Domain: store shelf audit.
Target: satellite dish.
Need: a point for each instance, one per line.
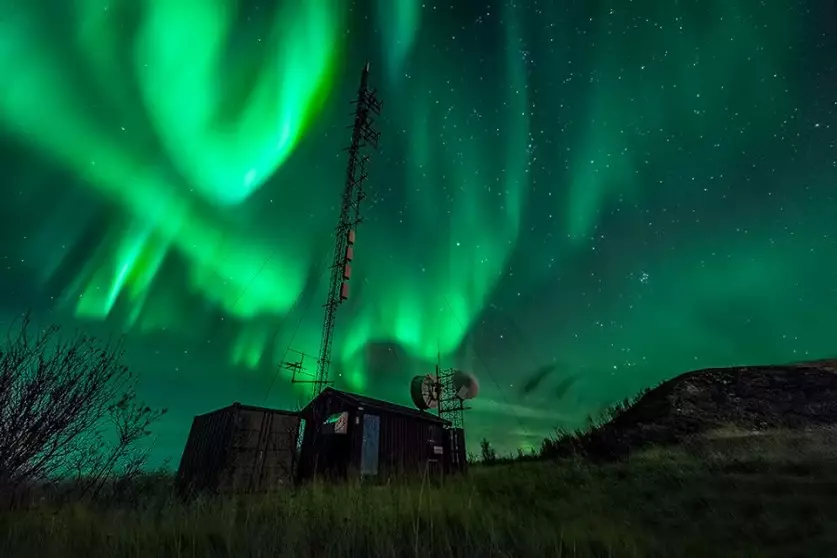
(424, 391)
(465, 385)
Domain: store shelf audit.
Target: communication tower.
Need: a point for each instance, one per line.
(364, 136)
(451, 406)
(446, 391)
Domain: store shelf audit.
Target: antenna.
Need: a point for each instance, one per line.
(297, 369)
(465, 386)
(363, 135)
(424, 391)
(446, 391)
(451, 406)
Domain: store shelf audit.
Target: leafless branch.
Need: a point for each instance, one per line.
(57, 397)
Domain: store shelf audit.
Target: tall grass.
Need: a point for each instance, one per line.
(769, 496)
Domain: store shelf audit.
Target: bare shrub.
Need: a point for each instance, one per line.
(69, 417)
(487, 452)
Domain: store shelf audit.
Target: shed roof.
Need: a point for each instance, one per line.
(239, 406)
(383, 406)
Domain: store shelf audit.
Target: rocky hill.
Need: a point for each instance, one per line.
(749, 398)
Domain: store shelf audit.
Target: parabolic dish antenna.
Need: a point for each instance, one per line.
(424, 391)
(465, 385)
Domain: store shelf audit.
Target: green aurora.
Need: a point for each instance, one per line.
(620, 191)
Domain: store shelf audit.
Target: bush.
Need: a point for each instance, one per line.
(595, 439)
(70, 421)
(488, 454)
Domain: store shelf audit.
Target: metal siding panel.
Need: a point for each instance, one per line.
(315, 458)
(405, 444)
(205, 459)
(385, 445)
(239, 449)
(224, 455)
(355, 434)
(186, 469)
(264, 451)
(279, 447)
(241, 462)
(305, 468)
(258, 482)
(203, 453)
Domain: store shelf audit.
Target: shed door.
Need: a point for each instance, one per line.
(369, 450)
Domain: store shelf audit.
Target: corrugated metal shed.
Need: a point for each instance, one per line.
(379, 439)
(239, 449)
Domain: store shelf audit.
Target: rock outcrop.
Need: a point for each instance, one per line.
(749, 398)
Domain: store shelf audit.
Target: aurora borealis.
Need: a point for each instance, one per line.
(611, 192)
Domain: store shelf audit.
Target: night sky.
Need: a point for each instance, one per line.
(571, 199)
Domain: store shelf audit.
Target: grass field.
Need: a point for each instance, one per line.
(734, 495)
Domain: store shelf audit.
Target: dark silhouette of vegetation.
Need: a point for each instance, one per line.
(487, 453)
(590, 440)
(490, 456)
(70, 421)
(735, 494)
(768, 497)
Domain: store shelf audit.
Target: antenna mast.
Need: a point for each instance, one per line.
(451, 406)
(363, 135)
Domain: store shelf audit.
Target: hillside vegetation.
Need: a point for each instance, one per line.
(750, 399)
(723, 462)
(766, 495)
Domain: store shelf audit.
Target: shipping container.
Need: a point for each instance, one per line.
(239, 449)
(348, 435)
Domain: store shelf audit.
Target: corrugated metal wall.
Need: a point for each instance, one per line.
(262, 452)
(239, 449)
(205, 454)
(319, 455)
(406, 445)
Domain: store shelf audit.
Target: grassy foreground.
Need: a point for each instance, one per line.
(736, 496)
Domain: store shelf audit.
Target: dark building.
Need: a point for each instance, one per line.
(239, 449)
(348, 435)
